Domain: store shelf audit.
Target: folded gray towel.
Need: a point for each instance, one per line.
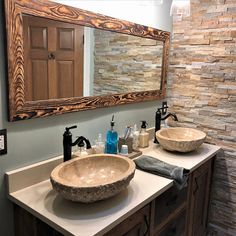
(155, 166)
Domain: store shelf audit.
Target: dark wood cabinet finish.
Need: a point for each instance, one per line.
(173, 213)
(175, 227)
(166, 204)
(28, 225)
(135, 225)
(198, 202)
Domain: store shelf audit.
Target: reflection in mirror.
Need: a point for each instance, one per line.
(53, 52)
(125, 63)
(64, 60)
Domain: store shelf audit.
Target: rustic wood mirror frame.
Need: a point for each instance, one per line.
(19, 109)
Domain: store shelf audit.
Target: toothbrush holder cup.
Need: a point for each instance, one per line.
(128, 142)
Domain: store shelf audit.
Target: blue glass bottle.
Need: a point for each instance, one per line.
(111, 139)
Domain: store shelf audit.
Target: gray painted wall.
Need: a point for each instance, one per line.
(39, 139)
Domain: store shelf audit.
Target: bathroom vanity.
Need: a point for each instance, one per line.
(151, 205)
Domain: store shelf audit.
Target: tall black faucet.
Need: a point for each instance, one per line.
(68, 144)
(159, 118)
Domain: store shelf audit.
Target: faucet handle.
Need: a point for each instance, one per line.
(72, 127)
(164, 108)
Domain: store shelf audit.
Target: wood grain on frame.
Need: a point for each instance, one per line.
(19, 109)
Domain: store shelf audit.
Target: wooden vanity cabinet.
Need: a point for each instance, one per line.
(185, 212)
(173, 213)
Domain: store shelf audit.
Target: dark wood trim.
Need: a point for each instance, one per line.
(19, 109)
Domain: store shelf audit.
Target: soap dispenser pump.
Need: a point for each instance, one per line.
(111, 139)
(144, 135)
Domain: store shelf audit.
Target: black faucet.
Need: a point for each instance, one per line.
(159, 118)
(68, 144)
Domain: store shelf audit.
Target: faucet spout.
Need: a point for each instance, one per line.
(68, 144)
(81, 139)
(158, 119)
(170, 114)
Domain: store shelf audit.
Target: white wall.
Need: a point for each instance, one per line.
(34, 140)
(88, 78)
(145, 12)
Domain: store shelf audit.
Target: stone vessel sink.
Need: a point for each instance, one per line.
(180, 139)
(92, 178)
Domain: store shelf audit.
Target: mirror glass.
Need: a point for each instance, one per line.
(64, 60)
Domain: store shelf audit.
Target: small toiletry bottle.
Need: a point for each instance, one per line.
(111, 139)
(144, 135)
(124, 150)
(99, 145)
(135, 135)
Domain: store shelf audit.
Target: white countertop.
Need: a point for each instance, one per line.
(80, 219)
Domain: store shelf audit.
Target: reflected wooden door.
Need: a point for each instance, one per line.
(53, 57)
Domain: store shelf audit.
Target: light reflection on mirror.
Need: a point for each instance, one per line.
(66, 60)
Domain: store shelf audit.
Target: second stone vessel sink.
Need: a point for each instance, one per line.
(92, 178)
(180, 139)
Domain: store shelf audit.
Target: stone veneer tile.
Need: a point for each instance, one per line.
(124, 63)
(202, 91)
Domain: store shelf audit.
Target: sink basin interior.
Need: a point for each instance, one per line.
(93, 171)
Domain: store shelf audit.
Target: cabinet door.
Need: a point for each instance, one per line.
(175, 227)
(199, 200)
(167, 204)
(28, 225)
(135, 225)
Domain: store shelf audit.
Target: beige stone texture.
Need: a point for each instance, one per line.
(92, 178)
(202, 94)
(125, 63)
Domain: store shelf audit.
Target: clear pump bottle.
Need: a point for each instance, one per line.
(99, 145)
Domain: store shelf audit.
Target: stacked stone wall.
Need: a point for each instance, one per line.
(125, 63)
(202, 91)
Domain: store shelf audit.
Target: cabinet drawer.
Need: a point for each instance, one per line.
(135, 225)
(167, 203)
(175, 228)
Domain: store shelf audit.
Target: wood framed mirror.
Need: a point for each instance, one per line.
(28, 97)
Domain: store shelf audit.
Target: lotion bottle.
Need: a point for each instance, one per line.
(144, 135)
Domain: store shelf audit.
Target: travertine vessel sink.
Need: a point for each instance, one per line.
(92, 178)
(180, 139)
